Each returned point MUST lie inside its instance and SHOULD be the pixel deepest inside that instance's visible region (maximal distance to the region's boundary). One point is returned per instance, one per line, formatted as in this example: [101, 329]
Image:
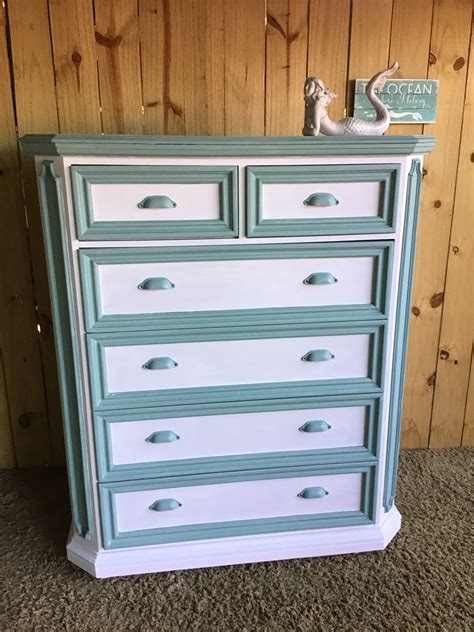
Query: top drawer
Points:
[154, 202]
[298, 200]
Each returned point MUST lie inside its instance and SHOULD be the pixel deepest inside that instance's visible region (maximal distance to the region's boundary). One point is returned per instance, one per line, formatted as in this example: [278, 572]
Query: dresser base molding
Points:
[227, 551]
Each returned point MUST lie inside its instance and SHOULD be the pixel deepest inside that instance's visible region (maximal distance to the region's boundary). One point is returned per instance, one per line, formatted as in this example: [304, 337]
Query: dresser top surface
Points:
[214, 146]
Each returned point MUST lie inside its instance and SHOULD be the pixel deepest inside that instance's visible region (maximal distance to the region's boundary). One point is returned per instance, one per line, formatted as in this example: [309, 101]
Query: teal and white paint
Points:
[408, 100]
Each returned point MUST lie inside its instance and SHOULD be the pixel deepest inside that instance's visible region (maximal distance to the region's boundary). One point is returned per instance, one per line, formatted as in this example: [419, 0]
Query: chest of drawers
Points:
[231, 322]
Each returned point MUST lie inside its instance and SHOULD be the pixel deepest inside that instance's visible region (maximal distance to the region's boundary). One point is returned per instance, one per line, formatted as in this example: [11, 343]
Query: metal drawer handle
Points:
[155, 364]
[321, 199]
[318, 425]
[165, 504]
[318, 355]
[162, 436]
[320, 278]
[157, 201]
[156, 283]
[313, 492]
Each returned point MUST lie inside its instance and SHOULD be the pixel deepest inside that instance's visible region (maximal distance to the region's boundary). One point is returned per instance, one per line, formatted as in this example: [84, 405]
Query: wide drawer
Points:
[154, 202]
[142, 369]
[201, 507]
[146, 288]
[131, 445]
[298, 200]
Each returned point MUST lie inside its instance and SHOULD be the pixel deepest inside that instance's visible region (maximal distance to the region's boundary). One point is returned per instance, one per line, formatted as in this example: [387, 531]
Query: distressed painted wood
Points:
[457, 326]
[74, 52]
[20, 346]
[448, 63]
[118, 56]
[245, 68]
[287, 46]
[327, 56]
[33, 75]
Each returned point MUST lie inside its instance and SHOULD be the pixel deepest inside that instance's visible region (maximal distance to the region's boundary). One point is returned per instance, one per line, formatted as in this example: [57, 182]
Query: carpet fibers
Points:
[420, 582]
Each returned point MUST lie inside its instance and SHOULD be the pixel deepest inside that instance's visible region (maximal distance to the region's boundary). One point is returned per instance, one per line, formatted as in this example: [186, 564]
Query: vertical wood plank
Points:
[370, 37]
[203, 33]
[7, 453]
[287, 46]
[449, 52]
[151, 31]
[33, 75]
[72, 32]
[457, 325]
[245, 67]
[327, 56]
[118, 55]
[20, 345]
[410, 46]
[163, 56]
[468, 431]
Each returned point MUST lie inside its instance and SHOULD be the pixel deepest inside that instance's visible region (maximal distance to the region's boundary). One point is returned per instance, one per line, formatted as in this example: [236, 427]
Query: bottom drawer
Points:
[265, 501]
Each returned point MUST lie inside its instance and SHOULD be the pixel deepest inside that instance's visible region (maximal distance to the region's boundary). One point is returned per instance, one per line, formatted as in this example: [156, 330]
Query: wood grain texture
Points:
[7, 452]
[287, 46]
[151, 35]
[457, 327]
[449, 45]
[468, 430]
[77, 89]
[203, 76]
[245, 68]
[410, 46]
[118, 55]
[19, 340]
[327, 56]
[33, 75]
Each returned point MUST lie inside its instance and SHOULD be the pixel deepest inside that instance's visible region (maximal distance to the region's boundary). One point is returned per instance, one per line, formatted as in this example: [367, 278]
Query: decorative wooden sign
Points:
[409, 100]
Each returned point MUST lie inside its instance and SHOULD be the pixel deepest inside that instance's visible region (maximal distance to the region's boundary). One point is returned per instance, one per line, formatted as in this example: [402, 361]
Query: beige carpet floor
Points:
[420, 582]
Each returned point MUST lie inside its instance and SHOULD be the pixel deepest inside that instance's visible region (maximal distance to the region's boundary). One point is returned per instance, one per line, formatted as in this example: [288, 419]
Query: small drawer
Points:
[140, 369]
[131, 445]
[296, 200]
[114, 202]
[265, 501]
[149, 288]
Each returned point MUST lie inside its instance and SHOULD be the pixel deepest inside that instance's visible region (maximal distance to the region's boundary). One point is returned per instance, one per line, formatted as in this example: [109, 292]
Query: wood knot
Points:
[437, 300]
[437, 203]
[432, 59]
[424, 172]
[105, 40]
[415, 310]
[455, 249]
[431, 380]
[444, 355]
[76, 57]
[152, 104]
[472, 157]
[459, 63]
[1, 172]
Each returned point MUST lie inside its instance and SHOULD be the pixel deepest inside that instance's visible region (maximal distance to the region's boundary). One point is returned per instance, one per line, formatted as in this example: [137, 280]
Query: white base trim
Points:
[240, 550]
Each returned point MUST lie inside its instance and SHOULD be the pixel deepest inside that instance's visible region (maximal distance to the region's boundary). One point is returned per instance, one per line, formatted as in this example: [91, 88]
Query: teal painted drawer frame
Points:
[108, 472]
[114, 539]
[95, 321]
[387, 174]
[83, 176]
[102, 399]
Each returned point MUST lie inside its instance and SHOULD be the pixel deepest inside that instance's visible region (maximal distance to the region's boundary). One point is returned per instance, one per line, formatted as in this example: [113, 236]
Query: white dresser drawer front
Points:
[235, 362]
[321, 199]
[154, 202]
[137, 288]
[247, 500]
[148, 369]
[134, 445]
[210, 506]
